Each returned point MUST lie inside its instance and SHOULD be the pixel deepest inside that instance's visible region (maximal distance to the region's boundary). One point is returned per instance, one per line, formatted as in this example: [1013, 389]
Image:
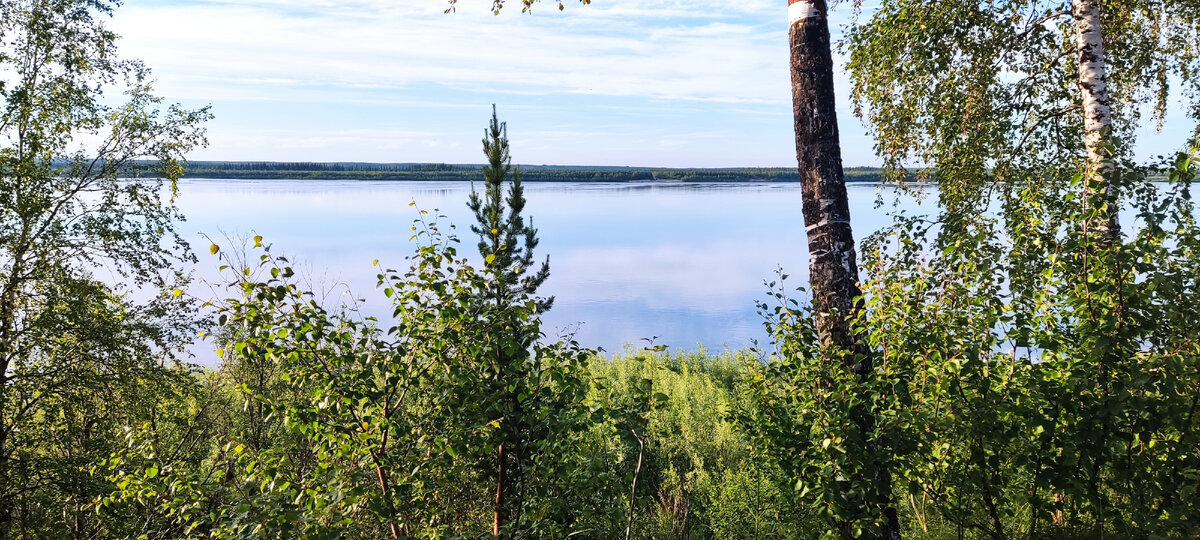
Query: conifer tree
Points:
[505, 241]
[509, 310]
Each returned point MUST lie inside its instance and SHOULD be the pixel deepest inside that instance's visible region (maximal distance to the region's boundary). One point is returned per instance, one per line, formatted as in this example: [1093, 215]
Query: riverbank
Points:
[467, 172]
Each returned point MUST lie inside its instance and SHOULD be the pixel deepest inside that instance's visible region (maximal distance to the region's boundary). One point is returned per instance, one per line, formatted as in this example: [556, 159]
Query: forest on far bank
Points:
[441, 172]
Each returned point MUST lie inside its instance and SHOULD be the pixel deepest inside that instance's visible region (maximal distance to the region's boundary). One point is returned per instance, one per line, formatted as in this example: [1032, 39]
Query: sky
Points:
[672, 83]
[661, 83]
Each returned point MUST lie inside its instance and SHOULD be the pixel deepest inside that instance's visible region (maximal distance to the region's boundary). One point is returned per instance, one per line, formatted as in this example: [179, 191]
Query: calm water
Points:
[683, 262]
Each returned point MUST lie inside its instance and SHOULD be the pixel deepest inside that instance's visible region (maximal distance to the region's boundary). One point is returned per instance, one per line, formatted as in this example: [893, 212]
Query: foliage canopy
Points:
[76, 351]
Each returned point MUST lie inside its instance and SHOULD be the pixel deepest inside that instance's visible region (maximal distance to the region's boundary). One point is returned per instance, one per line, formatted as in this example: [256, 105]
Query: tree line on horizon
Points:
[1023, 364]
[466, 172]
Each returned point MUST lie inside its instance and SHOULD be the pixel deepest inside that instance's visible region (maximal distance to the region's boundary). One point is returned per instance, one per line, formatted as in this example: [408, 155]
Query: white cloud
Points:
[622, 82]
[266, 49]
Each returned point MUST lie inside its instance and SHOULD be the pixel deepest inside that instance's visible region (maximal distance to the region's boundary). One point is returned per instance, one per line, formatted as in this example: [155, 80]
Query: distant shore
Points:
[468, 172]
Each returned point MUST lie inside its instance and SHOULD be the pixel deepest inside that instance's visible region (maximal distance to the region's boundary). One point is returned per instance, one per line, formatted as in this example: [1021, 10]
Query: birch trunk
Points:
[832, 265]
[834, 270]
[1097, 118]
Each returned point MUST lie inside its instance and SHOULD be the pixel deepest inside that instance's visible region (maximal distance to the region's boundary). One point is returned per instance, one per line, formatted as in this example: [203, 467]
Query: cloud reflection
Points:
[685, 262]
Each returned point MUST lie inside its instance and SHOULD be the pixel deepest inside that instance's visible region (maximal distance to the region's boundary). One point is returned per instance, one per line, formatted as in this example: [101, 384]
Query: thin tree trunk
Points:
[1101, 199]
[386, 493]
[633, 489]
[1097, 117]
[8, 336]
[832, 265]
[498, 517]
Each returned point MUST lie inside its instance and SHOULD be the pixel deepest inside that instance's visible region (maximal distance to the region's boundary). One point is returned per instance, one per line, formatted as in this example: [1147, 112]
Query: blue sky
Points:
[679, 83]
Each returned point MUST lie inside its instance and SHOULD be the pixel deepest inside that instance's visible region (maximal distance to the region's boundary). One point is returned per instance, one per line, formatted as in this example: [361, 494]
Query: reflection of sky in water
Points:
[684, 262]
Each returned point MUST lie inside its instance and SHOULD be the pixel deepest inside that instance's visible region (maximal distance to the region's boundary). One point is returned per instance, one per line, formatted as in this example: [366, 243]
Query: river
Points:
[682, 264]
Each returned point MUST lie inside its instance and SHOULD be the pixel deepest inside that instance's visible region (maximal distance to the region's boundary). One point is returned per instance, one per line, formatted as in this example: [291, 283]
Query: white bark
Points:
[799, 10]
[1093, 77]
[1097, 113]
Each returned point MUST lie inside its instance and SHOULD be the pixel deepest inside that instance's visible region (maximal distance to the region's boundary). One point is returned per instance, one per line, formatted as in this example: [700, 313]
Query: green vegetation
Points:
[1037, 388]
[78, 357]
[453, 419]
[1028, 372]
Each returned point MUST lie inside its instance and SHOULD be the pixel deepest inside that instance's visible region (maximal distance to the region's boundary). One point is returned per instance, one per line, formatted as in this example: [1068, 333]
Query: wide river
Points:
[683, 264]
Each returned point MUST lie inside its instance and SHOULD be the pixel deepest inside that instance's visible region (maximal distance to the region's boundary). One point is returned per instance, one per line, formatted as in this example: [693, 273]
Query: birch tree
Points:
[1095, 106]
[1038, 342]
[73, 348]
[833, 269]
[1005, 90]
[832, 256]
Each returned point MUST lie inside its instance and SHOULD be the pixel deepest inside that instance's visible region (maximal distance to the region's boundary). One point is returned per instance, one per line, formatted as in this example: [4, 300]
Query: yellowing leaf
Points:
[177, 293]
[214, 249]
[490, 258]
[258, 241]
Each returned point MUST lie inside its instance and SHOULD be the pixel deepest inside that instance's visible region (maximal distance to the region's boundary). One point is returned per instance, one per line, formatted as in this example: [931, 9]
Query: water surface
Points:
[683, 263]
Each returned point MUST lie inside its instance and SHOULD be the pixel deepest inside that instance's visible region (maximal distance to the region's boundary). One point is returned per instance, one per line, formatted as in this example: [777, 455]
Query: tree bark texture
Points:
[1097, 114]
[833, 268]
